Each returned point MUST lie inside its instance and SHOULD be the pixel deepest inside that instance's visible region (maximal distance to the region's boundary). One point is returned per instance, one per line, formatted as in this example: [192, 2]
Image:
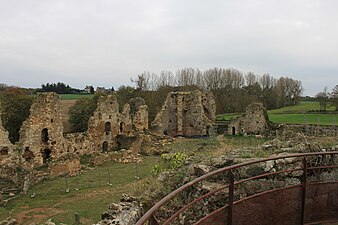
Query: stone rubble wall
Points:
[43, 130]
[254, 121]
[186, 114]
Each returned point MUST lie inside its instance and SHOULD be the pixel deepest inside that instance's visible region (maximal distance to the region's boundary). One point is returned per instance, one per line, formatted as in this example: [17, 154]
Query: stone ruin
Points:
[254, 121]
[186, 114]
[41, 135]
[43, 144]
[5, 144]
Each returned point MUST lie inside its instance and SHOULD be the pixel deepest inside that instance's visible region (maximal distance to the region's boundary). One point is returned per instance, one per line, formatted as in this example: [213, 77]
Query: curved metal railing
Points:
[150, 216]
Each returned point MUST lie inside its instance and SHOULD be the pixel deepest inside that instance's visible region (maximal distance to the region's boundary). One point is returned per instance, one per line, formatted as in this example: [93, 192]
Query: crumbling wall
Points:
[186, 114]
[41, 135]
[6, 146]
[104, 125]
[254, 121]
[139, 113]
[107, 125]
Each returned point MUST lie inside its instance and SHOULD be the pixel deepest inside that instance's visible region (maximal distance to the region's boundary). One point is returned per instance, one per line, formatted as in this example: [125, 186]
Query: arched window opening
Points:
[44, 136]
[233, 130]
[105, 146]
[107, 127]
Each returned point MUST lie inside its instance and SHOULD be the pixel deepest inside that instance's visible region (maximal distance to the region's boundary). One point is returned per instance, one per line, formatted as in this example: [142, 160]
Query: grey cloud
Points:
[105, 42]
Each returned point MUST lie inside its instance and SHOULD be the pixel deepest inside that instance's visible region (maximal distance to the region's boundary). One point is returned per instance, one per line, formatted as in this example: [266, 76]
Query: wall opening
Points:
[107, 127]
[233, 130]
[4, 151]
[28, 155]
[121, 127]
[105, 146]
[44, 136]
[46, 154]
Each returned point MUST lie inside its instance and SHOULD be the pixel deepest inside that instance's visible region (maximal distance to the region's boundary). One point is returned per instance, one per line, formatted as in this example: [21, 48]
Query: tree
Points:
[15, 106]
[323, 99]
[334, 96]
[80, 113]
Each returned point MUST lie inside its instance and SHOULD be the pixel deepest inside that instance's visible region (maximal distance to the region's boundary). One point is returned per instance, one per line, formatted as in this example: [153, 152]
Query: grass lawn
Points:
[322, 119]
[93, 197]
[304, 113]
[302, 107]
[75, 96]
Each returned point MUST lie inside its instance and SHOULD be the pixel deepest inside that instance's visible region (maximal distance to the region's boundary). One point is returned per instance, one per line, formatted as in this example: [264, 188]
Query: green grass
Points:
[89, 201]
[303, 113]
[322, 119]
[228, 116]
[75, 96]
[302, 107]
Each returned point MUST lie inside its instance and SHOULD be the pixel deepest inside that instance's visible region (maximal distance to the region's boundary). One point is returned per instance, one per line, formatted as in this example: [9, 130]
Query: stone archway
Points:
[44, 136]
[233, 130]
[105, 146]
[46, 155]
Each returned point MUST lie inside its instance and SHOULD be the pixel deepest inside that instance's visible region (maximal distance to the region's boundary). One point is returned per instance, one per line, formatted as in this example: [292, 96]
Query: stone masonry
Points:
[254, 121]
[41, 135]
[5, 144]
[186, 114]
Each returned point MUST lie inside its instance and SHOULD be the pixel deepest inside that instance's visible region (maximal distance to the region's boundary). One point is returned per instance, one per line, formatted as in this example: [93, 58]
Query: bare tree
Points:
[323, 99]
[334, 96]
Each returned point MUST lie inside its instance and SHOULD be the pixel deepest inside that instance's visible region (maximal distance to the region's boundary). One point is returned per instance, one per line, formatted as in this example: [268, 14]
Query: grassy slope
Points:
[93, 196]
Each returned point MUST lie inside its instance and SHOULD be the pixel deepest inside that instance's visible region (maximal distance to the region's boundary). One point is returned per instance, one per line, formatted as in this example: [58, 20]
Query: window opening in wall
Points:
[107, 127]
[4, 151]
[233, 130]
[44, 136]
[46, 154]
[105, 146]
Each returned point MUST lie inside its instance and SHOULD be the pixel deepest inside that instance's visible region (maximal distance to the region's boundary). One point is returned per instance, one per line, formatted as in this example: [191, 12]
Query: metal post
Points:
[32, 181]
[231, 196]
[109, 178]
[76, 184]
[136, 171]
[77, 219]
[304, 184]
[67, 186]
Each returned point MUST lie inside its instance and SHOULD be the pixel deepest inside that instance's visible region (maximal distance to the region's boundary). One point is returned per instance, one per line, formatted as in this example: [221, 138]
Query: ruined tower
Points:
[186, 114]
[41, 135]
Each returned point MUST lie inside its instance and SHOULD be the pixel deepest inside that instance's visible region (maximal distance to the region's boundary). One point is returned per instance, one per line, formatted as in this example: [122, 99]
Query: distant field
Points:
[302, 107]
[75, 96]
[303, 113]
[322, 119]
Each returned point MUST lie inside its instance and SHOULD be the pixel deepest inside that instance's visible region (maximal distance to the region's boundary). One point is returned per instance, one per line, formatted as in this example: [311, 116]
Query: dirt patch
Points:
[36, 215]
[66, 104]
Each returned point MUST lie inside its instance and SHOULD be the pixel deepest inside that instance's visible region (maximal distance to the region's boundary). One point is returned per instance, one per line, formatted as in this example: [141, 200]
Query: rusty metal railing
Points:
[150, 216]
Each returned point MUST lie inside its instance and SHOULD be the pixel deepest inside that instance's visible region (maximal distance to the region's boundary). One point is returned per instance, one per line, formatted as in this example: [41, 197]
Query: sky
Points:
[107, 42]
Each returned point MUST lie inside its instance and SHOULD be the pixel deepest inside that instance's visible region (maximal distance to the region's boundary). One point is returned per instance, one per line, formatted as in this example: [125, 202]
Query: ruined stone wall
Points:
[104, 126]
[5, 145]
[254, 121]
[41, 135]
[139, 113]
[186, 114]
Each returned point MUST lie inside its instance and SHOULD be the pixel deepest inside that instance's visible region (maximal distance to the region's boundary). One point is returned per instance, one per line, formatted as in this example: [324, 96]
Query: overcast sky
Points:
[106, 42]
